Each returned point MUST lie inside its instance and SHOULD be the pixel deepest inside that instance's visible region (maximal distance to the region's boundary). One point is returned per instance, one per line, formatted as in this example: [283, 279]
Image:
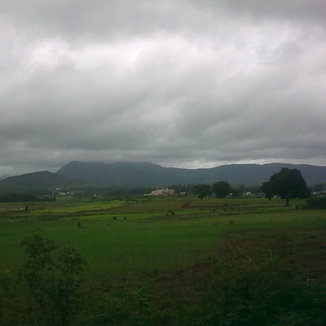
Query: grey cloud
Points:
[115, 18]
[100, 19]
[181, 83]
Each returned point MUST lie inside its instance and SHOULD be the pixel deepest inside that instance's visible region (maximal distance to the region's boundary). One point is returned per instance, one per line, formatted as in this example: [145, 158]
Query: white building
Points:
[162, 192]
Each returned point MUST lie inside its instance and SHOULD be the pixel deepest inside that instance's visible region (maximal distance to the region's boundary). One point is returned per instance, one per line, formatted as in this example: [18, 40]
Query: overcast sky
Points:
[185, 83]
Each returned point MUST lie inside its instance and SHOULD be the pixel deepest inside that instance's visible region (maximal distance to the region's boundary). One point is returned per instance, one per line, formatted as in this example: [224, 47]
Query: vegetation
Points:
[221, 189]
[316, 203]
[24, 197]
[269, 286]
[287, 184]
[53, 279]
[162, 261]
[202, 190]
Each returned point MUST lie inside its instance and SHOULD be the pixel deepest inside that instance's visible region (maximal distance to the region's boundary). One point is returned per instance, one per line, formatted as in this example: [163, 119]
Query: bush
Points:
[268, 293]
[316, 203]
[52, 276]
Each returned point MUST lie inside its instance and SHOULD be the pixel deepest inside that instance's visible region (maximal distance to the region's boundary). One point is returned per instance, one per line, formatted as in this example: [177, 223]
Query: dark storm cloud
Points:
[183, 83]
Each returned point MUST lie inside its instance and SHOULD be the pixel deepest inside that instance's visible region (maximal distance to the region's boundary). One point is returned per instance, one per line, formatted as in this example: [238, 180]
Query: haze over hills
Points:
[128, 174]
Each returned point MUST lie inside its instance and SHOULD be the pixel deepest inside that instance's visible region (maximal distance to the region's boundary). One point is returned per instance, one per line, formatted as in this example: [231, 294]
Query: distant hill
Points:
[4, 177]
[128, 174]
[36, 181]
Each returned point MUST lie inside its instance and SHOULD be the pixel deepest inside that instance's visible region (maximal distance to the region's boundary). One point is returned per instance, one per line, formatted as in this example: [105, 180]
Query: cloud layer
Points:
[180, 83]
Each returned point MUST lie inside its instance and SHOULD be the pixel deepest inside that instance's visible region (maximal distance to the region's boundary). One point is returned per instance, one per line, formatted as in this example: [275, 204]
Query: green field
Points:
[144, 237]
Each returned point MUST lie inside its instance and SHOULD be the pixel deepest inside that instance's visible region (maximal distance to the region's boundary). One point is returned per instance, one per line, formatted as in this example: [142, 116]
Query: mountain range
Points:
[128, 174]
[76, 175]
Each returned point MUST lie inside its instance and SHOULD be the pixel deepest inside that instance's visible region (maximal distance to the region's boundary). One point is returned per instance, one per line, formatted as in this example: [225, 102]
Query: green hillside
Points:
[38, 181]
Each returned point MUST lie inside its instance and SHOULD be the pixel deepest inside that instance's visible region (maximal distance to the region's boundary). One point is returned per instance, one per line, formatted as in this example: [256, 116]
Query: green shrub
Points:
[52, 276]
[244, 293]
[316, 203]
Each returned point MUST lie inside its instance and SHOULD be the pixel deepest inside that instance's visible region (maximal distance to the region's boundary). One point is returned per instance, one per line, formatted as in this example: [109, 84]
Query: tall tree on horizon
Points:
[221, 189]
[288, 183]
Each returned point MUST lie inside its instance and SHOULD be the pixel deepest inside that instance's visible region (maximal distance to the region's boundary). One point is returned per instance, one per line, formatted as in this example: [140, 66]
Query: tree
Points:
[288, 183]
[221, 189]
[235, 193]
[267, 189]
[53, 278]
[202, 190]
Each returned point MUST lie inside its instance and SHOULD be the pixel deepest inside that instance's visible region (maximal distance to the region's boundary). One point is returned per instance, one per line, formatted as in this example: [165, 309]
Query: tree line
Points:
[23, 197]
[287, 184]
[221, 189]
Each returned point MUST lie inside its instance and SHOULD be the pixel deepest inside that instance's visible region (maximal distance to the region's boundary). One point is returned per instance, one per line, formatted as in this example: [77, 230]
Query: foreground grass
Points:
[260, 277]
[170, 261]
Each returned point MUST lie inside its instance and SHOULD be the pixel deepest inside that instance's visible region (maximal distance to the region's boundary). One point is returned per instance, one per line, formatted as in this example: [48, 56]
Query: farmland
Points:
[144, 240]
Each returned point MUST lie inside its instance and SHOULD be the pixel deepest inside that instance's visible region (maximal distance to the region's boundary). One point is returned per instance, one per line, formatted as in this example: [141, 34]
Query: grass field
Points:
[142, 235]
[147, 238]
